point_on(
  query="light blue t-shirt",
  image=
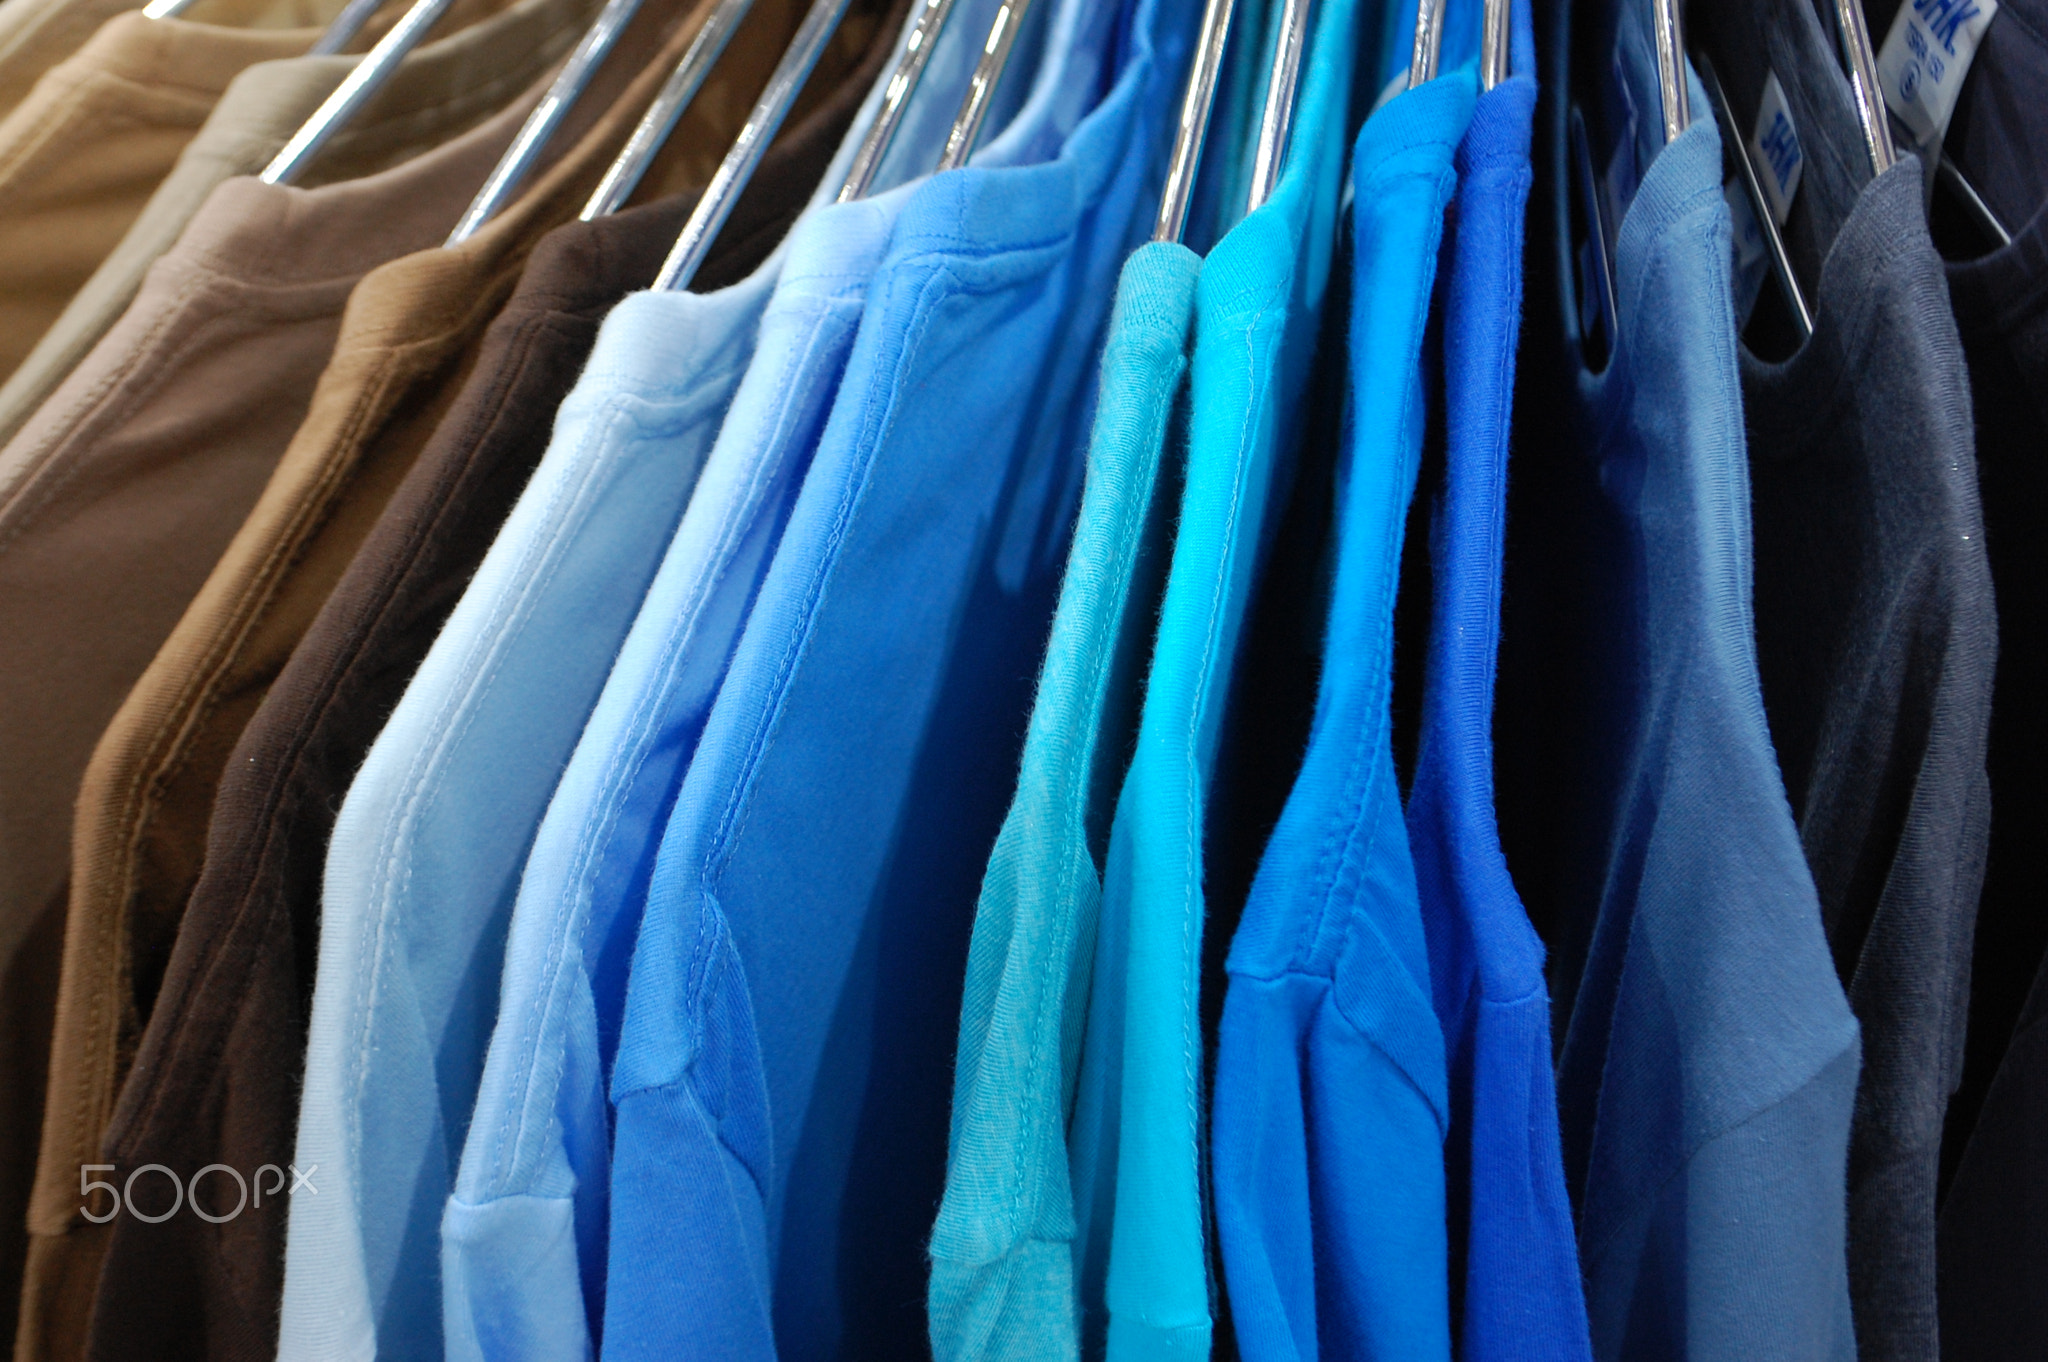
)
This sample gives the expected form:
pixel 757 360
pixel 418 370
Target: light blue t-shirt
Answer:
pixel 1137 1138
pixel 1003 1255
pixel 1709 1065
pixel 1331 1100
pixel 538 1153
pixel 428 848
pixel 782 1077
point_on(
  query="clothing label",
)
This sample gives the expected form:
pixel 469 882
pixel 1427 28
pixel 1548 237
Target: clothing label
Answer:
pixel 1925 58
pixel 1774 150
pixel 1746 242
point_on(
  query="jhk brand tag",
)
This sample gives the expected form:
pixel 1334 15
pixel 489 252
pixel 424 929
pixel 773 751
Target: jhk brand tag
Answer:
pixel 1925 58
pixel 1774 150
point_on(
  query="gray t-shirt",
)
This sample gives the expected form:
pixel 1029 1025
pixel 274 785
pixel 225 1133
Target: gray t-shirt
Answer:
pixel 1876 635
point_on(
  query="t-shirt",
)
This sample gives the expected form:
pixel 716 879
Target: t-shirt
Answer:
pixel 1876 636
pixel 1004 1255
pixel 782 1078
pixel 427 848
pixel 1993 1236
pixel 216 1079
pixel 440 88
pixel 1709 1063
pixel 1514 1265
pixel 1331 1101
pixel 1136 1140
pixel 516 1281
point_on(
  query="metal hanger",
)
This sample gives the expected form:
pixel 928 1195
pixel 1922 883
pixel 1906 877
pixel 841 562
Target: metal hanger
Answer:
pixel 1863 87
pixel 1676 100
pixel 355 90
pixel 1277 119
pixel 1494 40
pixel 1429 42
pixel 1760 208
pixel 1195 107
pixel 623 176
pixel 896 92
pixel 540 125
pixel 981 88
pixel 722 194
pixel 1972 202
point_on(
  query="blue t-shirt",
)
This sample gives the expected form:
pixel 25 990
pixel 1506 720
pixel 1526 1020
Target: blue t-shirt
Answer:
pixel 1136 1141
pixel 1710 1060
pixel 1331 1102
pixel 782 1079
pixel 426 854
pixel 1515 1291
pixel 1003 1255
pixel 536 1160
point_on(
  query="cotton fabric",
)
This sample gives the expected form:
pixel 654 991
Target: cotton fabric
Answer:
pixel 1876 639
pixel 1331 1102
pixel 1136 1140
pixel 360 1266
pixel 1514 1268
pixel 83 151
pixel 1992 1249
pixel 440 88
pixel 781 1079
pixel 124 498
pixel 1709 1064
pixel 511 1282
pixel 217 1073
pixel 1004 1257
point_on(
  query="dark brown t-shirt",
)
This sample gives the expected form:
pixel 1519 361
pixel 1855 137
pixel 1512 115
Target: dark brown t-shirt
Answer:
pixel 217 1074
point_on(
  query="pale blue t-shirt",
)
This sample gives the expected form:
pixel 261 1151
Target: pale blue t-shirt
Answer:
pixel 428 848
pixel 1331 1099
pixel 1003 1254
pixel 1136 1139
pixel 537 1156
pixel 782 1077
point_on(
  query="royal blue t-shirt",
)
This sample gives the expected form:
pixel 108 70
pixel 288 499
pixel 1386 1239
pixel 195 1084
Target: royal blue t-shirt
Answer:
pixel 784 1073
pixel 1514 1265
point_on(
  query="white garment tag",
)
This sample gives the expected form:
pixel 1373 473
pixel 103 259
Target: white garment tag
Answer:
pixel 1746 243
pixel 1774 150
pixel 1925 58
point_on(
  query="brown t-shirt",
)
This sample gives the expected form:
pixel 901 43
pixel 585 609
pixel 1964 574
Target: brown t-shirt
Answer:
pixel 217 1074
pixel 119 496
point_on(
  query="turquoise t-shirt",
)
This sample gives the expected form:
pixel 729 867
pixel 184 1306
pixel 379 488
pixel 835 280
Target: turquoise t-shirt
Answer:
pixel 1136 1136
pixel 1003 1283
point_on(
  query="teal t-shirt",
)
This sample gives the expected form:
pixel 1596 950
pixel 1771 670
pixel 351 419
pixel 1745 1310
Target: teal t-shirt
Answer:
pixel 1135 1141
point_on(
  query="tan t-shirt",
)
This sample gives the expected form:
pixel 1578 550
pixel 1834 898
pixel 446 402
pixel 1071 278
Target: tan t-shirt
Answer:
pixel 169 430
pixel 84 150
pixel 442 87
pixel 407 339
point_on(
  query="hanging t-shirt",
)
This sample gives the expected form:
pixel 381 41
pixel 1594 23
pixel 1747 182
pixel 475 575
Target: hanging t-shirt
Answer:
pixel 523 1236
pixel 781 1082
pixel 1137 1140
pixel 426 851
pixel 1003 1251
pixel 1709 1065
pixel 1993 1236
pixel 1514 1264
pixel 1875 636
pixel 1331 1103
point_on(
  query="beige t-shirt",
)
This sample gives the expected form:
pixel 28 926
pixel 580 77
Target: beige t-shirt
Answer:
pixel 441 88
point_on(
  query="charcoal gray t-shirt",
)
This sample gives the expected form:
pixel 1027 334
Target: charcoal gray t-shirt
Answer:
pixel 1994 1213
pixel 1876 637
